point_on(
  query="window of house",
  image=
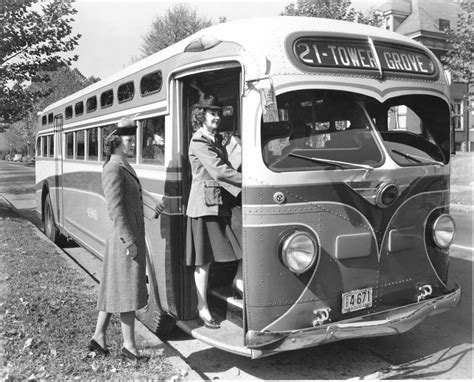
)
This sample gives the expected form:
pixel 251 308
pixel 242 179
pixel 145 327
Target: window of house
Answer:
pixel 125 92
pixel 151 83
pixel 80 144
pixel 91 104
pixel 444 25
pixel 69 141
pixel 153 140
pixel 79 108
pixel 458 115
pixel 93 144
pixel 50 118
pixel 68 112
pixel 107 98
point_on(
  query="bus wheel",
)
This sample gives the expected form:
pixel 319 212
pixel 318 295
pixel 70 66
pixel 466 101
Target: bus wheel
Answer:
pixel 51 230
pixel 152 316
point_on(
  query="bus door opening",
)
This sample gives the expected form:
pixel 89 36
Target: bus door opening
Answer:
pixel 225 85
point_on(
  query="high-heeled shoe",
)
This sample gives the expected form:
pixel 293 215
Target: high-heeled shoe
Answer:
pixel 133 357
pixel 94 346
pixel 211 324
pixel 236 292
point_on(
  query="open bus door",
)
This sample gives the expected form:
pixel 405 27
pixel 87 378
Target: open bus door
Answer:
pixel 223 81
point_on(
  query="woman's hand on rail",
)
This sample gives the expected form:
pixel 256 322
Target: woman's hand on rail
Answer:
pixel 132 251
pixel 159 208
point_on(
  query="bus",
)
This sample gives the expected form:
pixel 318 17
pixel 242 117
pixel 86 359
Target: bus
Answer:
pixel 345 141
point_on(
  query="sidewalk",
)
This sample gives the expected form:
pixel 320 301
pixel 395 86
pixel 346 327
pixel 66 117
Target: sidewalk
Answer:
pixel 462 182
pixel 48 316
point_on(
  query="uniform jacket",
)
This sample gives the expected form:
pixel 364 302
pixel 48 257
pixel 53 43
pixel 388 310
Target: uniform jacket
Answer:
pixel 123 284
pixel 211 172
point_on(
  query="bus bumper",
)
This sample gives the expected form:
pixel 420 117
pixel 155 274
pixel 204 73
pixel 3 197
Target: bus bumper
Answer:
pixel 392 321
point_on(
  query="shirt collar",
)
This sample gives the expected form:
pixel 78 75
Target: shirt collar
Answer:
pixel 204 132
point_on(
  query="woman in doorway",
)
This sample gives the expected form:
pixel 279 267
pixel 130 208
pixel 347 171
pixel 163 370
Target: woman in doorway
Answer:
pixel 123 285
pixel 215 183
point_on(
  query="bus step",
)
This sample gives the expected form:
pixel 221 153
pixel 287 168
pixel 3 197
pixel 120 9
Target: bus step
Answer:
pixel 229 337
pixel 222 301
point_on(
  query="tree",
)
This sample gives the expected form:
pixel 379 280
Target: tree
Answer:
pixel 331 9
pixel 35 36
pixel 60 84
pixel 460 56
pixel 179 22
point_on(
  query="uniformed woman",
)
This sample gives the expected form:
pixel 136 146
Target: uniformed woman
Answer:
pixel 215 184
pixel 123 285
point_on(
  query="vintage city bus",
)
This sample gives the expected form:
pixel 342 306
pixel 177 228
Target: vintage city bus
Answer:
pixel 345 160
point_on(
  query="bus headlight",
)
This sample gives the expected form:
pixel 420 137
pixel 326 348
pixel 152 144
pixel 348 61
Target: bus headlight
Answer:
pixel 444 231
pixel 299 252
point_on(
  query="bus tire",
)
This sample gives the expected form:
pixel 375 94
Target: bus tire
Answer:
pixel 51 230
pixel 153 316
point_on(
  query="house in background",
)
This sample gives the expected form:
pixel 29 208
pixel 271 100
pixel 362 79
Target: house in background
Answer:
pixel 426 21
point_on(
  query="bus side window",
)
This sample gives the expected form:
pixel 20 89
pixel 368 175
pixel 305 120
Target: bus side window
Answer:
pixel 38 147
pixel 51 146
pixel 93 147
pixel 153 140
pixel 80 144
pixel 44 143
pixel 69 141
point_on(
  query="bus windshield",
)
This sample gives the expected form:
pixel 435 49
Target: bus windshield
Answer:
pixel 325 129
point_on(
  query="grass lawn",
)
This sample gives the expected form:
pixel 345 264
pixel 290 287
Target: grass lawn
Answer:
pixel 49 315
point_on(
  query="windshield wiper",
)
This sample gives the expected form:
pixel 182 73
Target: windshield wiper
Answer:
pixel 417 159
pixel 333 162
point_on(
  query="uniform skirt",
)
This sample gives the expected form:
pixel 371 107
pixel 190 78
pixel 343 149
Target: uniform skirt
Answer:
pixel 214 239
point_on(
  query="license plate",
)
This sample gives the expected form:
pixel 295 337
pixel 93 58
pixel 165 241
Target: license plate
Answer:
pixel 356 300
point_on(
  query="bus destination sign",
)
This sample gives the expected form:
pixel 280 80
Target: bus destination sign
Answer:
pixel 326 53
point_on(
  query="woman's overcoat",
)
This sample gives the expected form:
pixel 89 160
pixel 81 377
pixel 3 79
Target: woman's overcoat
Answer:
pixel 123 283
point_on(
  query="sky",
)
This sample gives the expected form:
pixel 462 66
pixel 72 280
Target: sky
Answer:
pixel 112 30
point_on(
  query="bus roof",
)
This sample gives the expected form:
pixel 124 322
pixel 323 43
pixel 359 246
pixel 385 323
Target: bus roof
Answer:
pixel 253 36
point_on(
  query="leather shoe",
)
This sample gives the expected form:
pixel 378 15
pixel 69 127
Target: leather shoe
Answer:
pixel 133 357
pixel 94 346
pixel 211 324
pixel 236 292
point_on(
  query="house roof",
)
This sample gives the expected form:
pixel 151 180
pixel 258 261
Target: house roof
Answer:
pixel 425 15
pixel 398 6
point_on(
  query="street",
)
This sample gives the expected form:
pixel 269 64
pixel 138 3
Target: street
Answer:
pixel 438 348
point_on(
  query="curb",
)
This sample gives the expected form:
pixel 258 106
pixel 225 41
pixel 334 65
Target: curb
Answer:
pixel 144 335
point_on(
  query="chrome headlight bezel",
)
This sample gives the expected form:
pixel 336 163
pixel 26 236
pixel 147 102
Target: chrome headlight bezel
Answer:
pixel 436 230
pixel 287 248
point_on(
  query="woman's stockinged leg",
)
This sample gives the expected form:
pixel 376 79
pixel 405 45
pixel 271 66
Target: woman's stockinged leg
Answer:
pixel 238 282
pixel 201 276
pixel 100 333
pixel 127 320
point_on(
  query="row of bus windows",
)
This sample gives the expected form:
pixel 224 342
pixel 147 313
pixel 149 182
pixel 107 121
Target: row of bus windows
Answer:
pixel 84 144
pixel 149 84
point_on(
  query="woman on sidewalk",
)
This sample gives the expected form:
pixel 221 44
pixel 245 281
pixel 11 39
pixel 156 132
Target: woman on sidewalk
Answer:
pixel 123 284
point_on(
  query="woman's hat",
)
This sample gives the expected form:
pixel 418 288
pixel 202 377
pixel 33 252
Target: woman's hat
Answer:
pixel 126 126
pixel 208 101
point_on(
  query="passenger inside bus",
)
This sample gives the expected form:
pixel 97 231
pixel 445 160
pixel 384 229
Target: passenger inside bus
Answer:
pixel 153 140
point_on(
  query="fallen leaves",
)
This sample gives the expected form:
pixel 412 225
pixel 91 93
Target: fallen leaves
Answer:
pixel 49 316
